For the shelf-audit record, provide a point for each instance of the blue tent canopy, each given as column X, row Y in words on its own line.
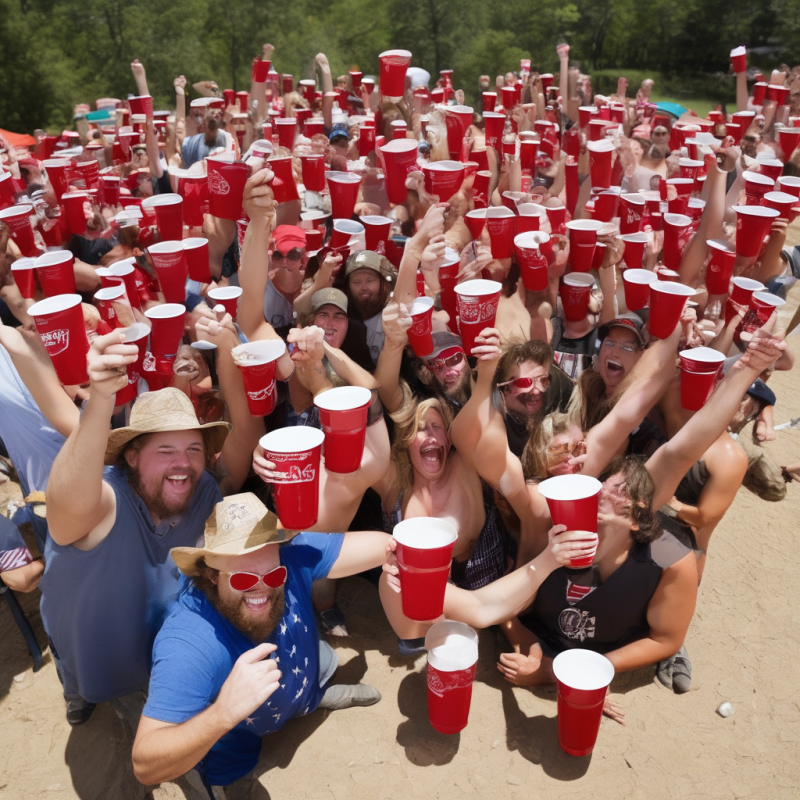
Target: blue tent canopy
column 675, row 109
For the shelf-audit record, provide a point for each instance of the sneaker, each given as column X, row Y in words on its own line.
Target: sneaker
column 409, row 648
column 333, row 622
column 682, row 672
column 344, row 695
column 79, row 710
column 664, row 671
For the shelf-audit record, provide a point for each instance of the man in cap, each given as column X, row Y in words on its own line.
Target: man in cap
column 621, row 346
column 241, row 654
column 368, row 283
column 116, row 503
column 339, row 138
column 329, row 312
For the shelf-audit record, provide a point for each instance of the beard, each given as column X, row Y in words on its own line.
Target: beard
column 461, row 391
column 368, row 308
column 155, row 500
column 256, row 628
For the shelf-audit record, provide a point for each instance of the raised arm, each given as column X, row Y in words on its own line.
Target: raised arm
column 432, row 225
column 396, row 321
column 672, row 461
column 137, row 68
column 347, row 369
column 78, row 499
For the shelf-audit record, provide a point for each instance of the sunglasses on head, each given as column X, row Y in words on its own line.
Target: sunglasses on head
column 439, row 363
column 245, row 581
column 295, row 254
column 522, row 384
column 560, row 449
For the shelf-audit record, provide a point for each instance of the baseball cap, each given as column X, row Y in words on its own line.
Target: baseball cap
column 369, row 259
column 339, row 129
column 631, row 322
column 761, row 391
column 444, row 340
column 329, row 297
column 285, row 237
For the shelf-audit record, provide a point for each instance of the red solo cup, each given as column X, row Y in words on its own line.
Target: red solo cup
column 448, row 271
column 558, row 219
column 283, row 186
column 489, row 100
column 366, row 140
column 452, row 659
column 582, row 243
column 194, row 191
column 700, row 367
column 585, row 114
column 665, row 274
column 597, row 130
column 633, row 254
column 59, row 322
column 8, row 188
column 110, row 185
column 256, row 361
column 790, row 185
column 18, row 219
column 420, row 333
column 314, row 240
column 530, row 217
column 493, row 124
column 22, row 272
column 394, row 64
column 508, row 98
column 475, row 220
column 134, row 334
column 110, row 302
column 90, row 172
column 605, row 206
column 532, row 262
column 782, row 202
column 500, row 224
column 169, row 215
column 243, row 99
column 752, row 228
column 582, row 677
column 510, row 200
column 343, row 187
column 631, row 213
column 688, row 168
column 399, row 129
column 774, row 92
column 756, row 185
column 735, row 130
column 399, row 157
column 600, row 163
column 667, row 301
column 789, row 139
column 771, row 168
column 287, row 131
column 56, row 273
column 309, row 89
column 343, row 231
column 677, row 233
column 311, row 127
column 694, row 210
column 196, row 249
column 743, row 119
column 296, row 452
column 720, row 266
column 376, row 232
column 618, row 114
column 228, row 297
column 480, row 188
column 166, row 328
column 739, row 59
column 73, row 204
column 355, row 78
column 226, row 181
column 127, row 272
column 443, row 178
column 637, row 287
column 599, row 254
column 141, row 104
column 765, row 304
column 313, row 172
column 368, row 84
column 743, row 289
column 572, row 500
column 527, row 154
column 477, row 308
column 169, row 259
column 287, row 83
column 260, row 70
column 424, row 552
column 343, row 416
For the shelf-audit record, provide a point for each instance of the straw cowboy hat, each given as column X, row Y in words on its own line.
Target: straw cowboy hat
column 163, row 411
column 240, row 524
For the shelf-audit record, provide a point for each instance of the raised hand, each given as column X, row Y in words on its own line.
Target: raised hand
column 107, row 363
column 396, row 322
column 258, row 200
column 564, row 545
column 308, row 344
column 488, row 345
column 180, row 84
column 252, row 681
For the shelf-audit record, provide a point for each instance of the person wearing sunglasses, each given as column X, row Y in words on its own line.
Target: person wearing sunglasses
column 287, row 263
column 241, row 654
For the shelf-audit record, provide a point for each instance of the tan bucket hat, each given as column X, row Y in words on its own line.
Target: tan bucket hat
column 240, row 524
column 158, row 412
column 369, row 259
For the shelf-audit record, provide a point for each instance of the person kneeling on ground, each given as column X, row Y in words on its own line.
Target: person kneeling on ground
column 244, row 634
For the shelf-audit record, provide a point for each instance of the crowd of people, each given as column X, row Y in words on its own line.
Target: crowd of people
column 169, row 585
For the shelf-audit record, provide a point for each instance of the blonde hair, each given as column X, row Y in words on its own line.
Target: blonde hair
column 407, row 421
column 534, row 456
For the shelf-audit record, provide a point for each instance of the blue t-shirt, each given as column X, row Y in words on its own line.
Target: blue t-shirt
column 196, row 649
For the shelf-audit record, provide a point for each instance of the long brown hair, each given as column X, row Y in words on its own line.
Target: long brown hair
column 639, row 488
column 534, row 456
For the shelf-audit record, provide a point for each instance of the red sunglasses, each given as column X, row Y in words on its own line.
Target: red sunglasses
column 521, row 384
column 245, row 581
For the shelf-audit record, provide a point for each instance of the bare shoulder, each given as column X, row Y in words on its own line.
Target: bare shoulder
column 106, row 513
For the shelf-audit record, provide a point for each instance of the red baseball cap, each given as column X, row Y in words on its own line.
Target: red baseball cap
column 285, row 237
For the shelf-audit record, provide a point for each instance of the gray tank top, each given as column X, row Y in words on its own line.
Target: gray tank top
column 102, row 608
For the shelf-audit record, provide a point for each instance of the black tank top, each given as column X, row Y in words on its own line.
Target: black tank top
column 573, row 609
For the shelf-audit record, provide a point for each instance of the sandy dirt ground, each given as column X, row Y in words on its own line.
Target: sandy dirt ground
column 743, row 642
